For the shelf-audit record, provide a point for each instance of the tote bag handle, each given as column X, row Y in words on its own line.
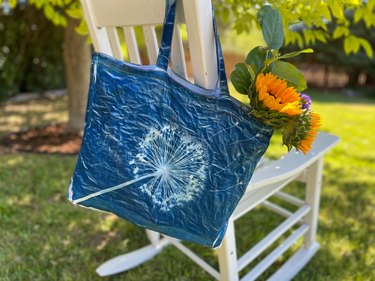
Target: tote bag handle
column 166, row 42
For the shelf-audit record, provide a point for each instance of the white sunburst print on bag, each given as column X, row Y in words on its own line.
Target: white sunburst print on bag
column 174, row 164
column 178, row 162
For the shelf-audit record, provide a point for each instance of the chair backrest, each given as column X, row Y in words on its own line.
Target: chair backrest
column 107, row 18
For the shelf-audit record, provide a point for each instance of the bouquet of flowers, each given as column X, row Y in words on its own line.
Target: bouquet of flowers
column 274, row 86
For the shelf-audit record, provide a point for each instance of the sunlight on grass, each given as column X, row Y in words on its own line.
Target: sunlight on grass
column 43, row 237
column 14, row 161
column 15, row 117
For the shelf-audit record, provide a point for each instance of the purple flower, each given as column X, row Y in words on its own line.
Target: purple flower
column 305, row 100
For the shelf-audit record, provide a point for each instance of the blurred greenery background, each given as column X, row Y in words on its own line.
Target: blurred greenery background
column 42, row 237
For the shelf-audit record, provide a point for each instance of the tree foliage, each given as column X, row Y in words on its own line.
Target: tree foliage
column 313, row 15
column 34, row 63
column 331, row 55
column 56, row 11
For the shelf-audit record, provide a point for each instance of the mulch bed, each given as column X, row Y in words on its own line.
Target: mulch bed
column 51, row 139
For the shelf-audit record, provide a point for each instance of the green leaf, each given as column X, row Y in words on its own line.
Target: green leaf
column 256, row 58
column 358, row 14
column 320, row 36
column 12, row 3
column 272, row 29
column 336, row 8
column 48, row 11
column 75, row 13
column 352, row 43
column 241, row 79
column 262, row 13
column 340, row 31
column 290, row 73
column 82, row 29
column 347, row 47
column 309, row 36
column 294, row 54
column 366, row 46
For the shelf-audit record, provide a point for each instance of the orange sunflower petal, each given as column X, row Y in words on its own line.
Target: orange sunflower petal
column 276, row 95
column 306, row 144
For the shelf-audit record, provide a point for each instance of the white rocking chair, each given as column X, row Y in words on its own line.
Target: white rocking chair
column 103, row 19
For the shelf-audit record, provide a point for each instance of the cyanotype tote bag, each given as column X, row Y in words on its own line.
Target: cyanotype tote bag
column 163, row 153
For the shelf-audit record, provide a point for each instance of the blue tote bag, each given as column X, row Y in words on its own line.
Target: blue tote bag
column 162, row 152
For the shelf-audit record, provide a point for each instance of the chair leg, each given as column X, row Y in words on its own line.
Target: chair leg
column 131, row 259
column 312, row 197
column 153, row 236
column 228, row 255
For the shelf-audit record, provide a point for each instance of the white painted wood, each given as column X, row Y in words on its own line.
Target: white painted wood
column 115, row 42
column 131, row 260
column 294, row 162
column 201, row 42
column 255, row 197
column 313, row 188
column 295, row 264
column 153, row 236
column 194, row 257
column 289, row 198
column 271, row 178
column 275, row 254
column 131, row 43
column 276, row 208
column 228, row 255
column 259, row 248
column 177, row 51
column 129, row 12
column 151, row 43
column 99, row 36
column 178, row 54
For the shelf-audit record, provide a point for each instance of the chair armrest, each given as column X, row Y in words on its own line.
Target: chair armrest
column 293, row 163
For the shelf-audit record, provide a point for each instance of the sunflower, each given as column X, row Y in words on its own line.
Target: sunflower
column 301, row 134
column 276, row 95
column 313, row 124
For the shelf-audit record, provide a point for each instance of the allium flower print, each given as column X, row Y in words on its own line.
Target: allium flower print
column 178, row 162
column 170, row 166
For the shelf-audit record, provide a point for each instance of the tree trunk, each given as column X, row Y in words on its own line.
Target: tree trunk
column 370, row 79
column 353, row 78
column 77, row 58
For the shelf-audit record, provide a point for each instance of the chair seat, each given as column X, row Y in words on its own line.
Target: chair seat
column 292, row 163
column 104, row 19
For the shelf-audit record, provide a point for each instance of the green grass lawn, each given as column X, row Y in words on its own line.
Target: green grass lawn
column 43, row 237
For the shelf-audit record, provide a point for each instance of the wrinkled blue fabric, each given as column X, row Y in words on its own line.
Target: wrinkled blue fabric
column 163, row 153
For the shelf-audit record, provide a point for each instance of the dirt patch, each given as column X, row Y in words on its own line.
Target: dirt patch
column 51, row 139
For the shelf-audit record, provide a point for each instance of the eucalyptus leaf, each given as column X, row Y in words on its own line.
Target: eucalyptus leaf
column 272, row 29
column 256, row 58
column 290, row 73
column 241, row 79
column 252, row 72
column 294, row 54
column 262, row 12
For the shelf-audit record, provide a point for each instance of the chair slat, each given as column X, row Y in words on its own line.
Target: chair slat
column 130, row 12
column 131, row 43
column 178, row 55
column 99, row 36
column 198, row 17
column 115, row 42
column 151, row 43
